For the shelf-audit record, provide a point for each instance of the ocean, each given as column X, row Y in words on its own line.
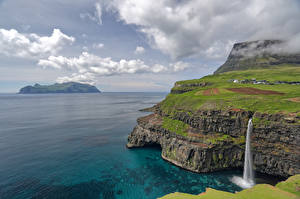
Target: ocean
column 73, row 146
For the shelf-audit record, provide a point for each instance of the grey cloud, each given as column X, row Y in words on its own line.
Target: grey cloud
column 209, row 28
column 260, row 47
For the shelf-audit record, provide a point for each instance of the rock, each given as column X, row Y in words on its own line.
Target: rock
column 275, row 146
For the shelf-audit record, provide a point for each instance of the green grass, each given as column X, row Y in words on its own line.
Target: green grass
column 291, row 185
column 284, row 190
column 210, row 194
column 175, row 126
column 219, row 138
column 181, row 128
column 195, row 100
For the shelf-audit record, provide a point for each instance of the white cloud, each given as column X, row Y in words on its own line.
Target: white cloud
column 179, row 66
column 86, row 78
column 139, row 50
column 87, row 66
column 87, row 62
column 98, row 46
column 96, row 16
column 98, row 12
column 32, row 46
column 208, row 28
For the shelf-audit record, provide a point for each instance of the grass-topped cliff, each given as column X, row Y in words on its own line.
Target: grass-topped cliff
column 283, row 190
column 201, row 124
column 220, row 92
column 255, row 83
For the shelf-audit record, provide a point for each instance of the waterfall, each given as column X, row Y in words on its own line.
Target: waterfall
column 248, row 177
column 248, row 166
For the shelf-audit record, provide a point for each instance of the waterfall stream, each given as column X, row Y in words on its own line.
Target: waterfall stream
column 248, row 177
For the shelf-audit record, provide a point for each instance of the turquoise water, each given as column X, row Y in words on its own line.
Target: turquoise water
column 73, row 146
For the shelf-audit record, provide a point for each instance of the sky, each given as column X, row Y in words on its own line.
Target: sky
column 132, row 45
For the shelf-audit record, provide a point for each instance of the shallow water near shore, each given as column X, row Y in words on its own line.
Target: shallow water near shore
column 73, row 146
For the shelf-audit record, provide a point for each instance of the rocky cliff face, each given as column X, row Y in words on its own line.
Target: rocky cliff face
column 258, row 54
column 216, row 140
column 202, row 123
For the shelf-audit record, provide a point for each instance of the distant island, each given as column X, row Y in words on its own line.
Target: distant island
column 68, row 87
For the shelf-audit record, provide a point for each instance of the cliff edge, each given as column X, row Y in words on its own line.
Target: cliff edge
column 201, row 125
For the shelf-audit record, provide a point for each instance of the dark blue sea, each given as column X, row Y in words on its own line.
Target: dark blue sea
column 73, row 146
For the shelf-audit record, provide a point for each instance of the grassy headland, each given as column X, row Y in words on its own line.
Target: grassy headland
column 221, row 93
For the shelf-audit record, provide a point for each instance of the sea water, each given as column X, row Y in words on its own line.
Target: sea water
column 73, row 146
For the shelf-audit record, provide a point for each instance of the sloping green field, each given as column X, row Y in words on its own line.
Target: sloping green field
column 289, row 189
column 217, row 94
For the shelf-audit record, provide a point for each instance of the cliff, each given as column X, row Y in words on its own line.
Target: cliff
column 258, row 54
column 215, row 140
column 202, row 123
column 69, row 87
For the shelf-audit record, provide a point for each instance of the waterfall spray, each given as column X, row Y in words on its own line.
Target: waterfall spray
column 248, row 177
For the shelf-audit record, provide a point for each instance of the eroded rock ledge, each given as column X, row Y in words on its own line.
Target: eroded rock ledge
column 215, row 140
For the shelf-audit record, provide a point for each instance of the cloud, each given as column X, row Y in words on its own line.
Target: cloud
column 87, row 66
column 98, row 46
column 139, row 50
column 96, row 16
column 179, row 66
column 261, row 47
column 98, row 12
column 207, row 29
column 32, row 46
column 86, row 78
column 87, row 62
